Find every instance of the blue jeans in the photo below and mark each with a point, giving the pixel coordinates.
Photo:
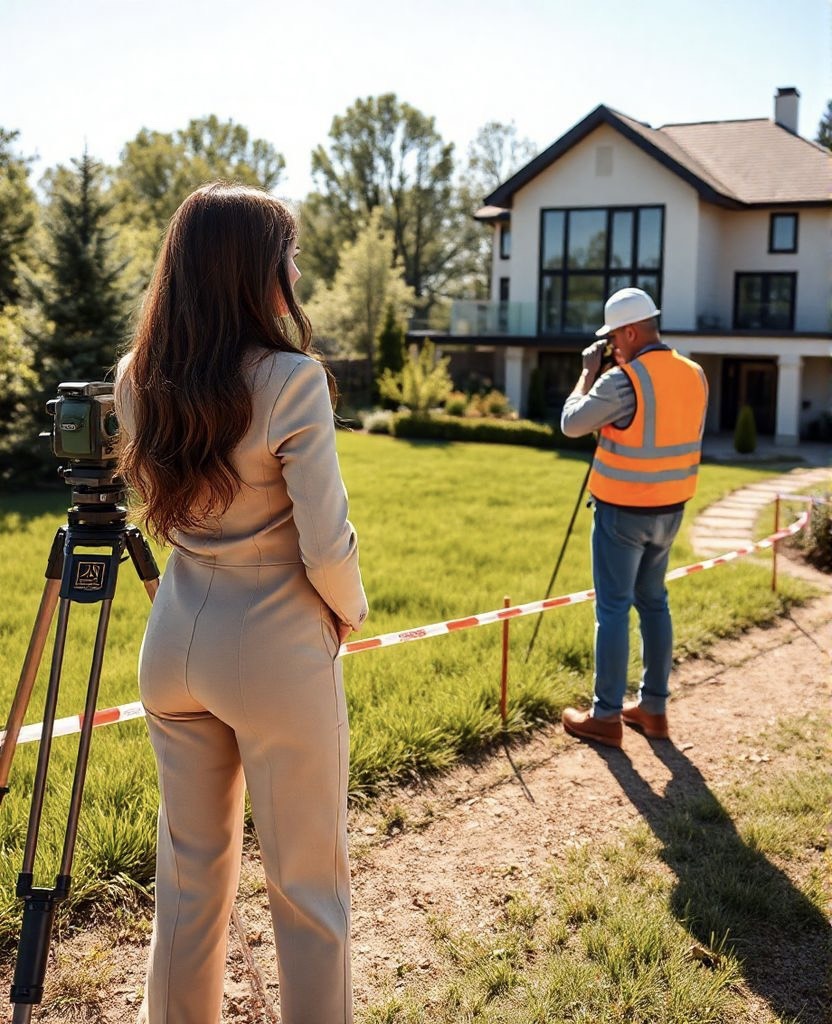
(630, 551)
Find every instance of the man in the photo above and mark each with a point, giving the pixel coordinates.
(650, 411)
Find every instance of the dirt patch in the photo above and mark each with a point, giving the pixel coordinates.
(456, 849)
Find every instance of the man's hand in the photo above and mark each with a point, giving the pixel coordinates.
(592, 364)
(592, 357)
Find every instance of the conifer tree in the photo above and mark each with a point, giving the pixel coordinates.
(17, 217)
(81, 293)
(390, 349)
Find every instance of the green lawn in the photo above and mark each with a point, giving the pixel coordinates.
(445, 530)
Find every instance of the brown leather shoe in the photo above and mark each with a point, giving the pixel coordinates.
(654, 726)
(603, 730)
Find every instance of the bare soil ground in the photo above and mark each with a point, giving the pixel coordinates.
(455, 848)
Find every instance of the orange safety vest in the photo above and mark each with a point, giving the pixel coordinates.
(654, 461)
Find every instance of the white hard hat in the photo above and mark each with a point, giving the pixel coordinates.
(627, 306)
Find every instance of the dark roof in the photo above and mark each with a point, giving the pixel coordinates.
(731, 163)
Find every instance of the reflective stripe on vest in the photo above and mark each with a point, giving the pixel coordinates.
(632, 466)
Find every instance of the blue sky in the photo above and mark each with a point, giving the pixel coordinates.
(96, 71)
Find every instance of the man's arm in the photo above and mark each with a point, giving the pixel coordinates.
(596, 402)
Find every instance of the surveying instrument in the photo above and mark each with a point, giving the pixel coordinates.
(82, 569)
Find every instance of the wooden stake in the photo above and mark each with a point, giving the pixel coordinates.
(774, 545)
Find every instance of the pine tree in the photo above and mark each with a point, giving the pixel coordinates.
(17, 217)
(390, 349)
(81, 293)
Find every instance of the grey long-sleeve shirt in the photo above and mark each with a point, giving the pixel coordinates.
(611, 399)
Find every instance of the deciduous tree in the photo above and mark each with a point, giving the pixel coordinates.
(385, 154)
(347, 316)
(495, 153)
(159, 169)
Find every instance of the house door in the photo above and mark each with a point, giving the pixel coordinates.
(749, 382)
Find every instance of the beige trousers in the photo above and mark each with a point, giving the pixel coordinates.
(240, 682)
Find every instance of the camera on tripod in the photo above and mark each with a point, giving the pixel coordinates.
(84, 424)
(85, 432)
(82, 568)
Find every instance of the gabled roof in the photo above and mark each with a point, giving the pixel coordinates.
(731, 163)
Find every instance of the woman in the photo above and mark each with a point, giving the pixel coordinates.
(229, 445)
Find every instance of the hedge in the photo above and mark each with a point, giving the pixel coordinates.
(455, 428)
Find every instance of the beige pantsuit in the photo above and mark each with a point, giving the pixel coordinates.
(239, 677)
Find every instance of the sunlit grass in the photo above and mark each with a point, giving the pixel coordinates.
(445, 530)
(687, 918)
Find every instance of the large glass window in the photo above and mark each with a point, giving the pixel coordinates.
(587, 254)
(764, 301)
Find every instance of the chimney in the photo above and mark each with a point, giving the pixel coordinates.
(785, 108)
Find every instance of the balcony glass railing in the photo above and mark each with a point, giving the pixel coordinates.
(481, 318)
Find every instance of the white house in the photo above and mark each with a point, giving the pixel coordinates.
(726, 223)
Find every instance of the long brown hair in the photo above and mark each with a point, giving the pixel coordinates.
(223, 265)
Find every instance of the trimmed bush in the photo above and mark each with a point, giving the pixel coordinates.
(456, 403)
(494, 404)
(453, 428)
(377, 422)
(745, 432)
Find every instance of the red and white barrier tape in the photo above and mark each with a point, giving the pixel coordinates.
(73, 724)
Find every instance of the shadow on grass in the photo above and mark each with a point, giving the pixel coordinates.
(727, 890)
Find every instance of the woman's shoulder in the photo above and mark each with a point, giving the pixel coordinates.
(275, 368)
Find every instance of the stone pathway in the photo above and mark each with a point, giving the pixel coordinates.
(729, 523)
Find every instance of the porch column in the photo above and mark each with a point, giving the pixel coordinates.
(787, 430)
(514, 378)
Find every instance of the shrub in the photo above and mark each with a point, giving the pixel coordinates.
(377, 422)
(422, 384)
(745, 432)
(817, 539)
(456, 403)
(495, 404)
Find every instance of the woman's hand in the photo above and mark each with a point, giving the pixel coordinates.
(342, 629)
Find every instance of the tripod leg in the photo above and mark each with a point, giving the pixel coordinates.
(34, 653)
(84, 743)
(143, 560)
(560, 557)
(44, 753)
(31, 664)
(40, 905)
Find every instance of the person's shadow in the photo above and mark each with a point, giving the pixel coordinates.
(727, 891)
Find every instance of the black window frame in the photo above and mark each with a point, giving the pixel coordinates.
(564, 272)
(794, 218)
(505, 246)
(764, 276)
